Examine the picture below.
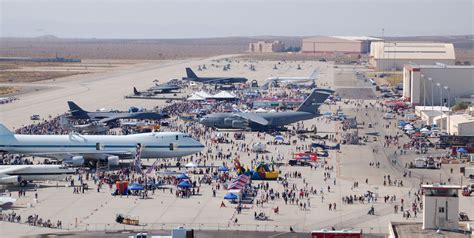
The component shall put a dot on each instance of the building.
(428, 113)
(440, 207)
(394, 55)
(337, 44)
(459, 124)
(266, 47)
(420, 90)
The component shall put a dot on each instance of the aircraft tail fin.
(135, 91)
(314, 100)
(75, 109)
(190, 73)
(4, 131)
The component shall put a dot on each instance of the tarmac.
(94, 212)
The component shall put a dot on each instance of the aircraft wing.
(108, 119)
(254, 118)
(219, 80)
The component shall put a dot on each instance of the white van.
(388, 115)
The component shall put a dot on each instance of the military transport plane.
(269, 121)
(191, 76)
(76, 149)
(106, 117)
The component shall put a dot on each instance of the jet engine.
(113, 160)
(228, 121)
(75, 160)
(9, 180)
(239, 124)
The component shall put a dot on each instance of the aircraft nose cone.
(203, 120)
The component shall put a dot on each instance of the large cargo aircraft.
(76, 149)
(271, 120)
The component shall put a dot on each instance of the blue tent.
(279, 138)
(462, 151)
(230, 196)
(185, 184)
(136, 186)
(182, 176)
(402, 123)
(223, 169)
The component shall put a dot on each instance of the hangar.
(338, 44)
(394, 55)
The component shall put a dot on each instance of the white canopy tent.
(195, 97)
(224, 95)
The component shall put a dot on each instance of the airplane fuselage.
(217, 80)
(154, 145)
(34, 173)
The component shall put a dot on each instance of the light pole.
(449, 111)
(432, 82)
(441, 105)
(424, 91)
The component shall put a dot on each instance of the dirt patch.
(7, 90)
(32, 76)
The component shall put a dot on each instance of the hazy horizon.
(188, 19)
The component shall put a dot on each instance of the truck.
(469, 172)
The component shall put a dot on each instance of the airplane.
(76, 149)
(191, 76)
(157, 89)
(6, 201)
(21, 174)
(268, 121)
(326, 147)
(94, 127)
(291, 80)
(106, 117)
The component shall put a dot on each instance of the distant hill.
(158, 49)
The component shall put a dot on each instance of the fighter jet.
(269, 121)
(326, 147)
(158, 89)
(94, 127)
(191, 76)
(106, 117)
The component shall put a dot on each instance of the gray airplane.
(157, 89)
(191, 76)
(106, 117)
(269, 121)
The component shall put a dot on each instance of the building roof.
(440, 66)
(439, 186)
(461, 119)
(432, 108)
(337, 39)
(412, 50)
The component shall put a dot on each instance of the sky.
(159, 19)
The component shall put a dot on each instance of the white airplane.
(6, 201)
(75, 149)
(21, 174)
(292, 80)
